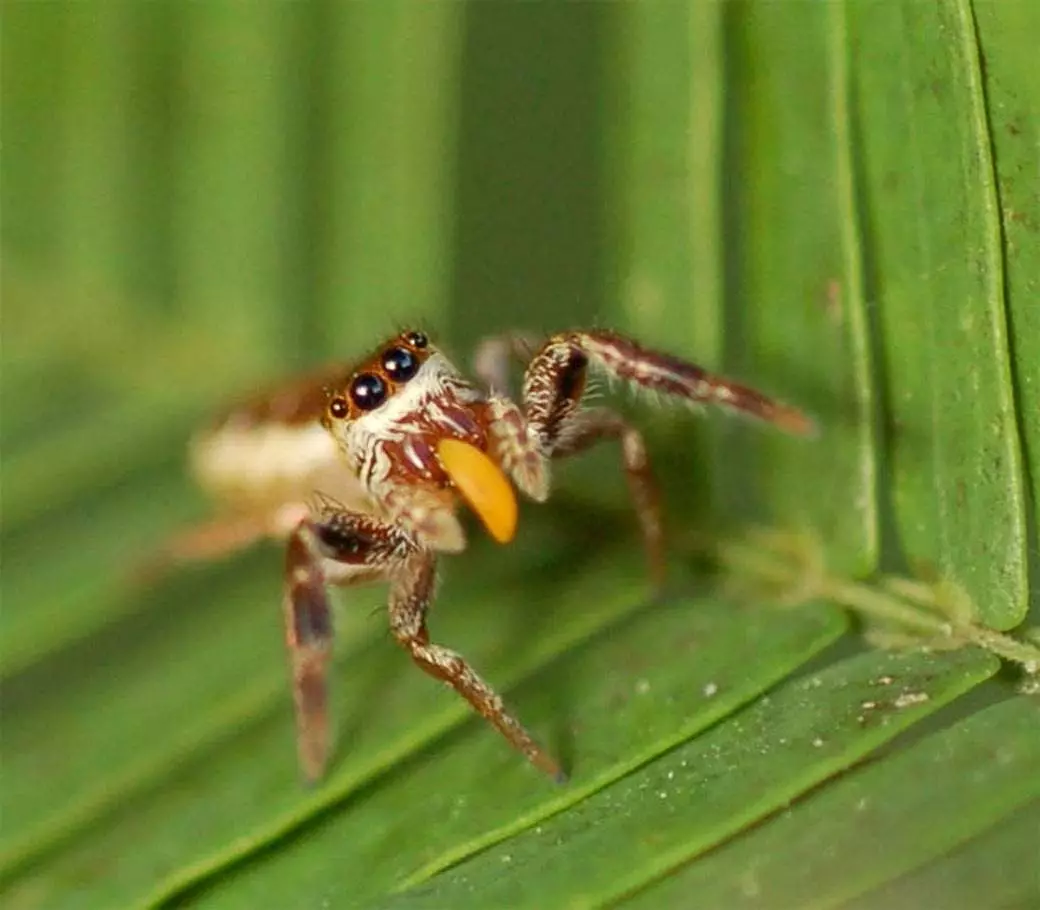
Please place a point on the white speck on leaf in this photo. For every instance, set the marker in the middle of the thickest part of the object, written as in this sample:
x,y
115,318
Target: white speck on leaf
x,y
749,884
910,698
642,686
817,742
710,689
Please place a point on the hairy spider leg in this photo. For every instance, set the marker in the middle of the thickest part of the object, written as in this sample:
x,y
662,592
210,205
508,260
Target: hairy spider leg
x,y
553,423
346,548
337,547
626,360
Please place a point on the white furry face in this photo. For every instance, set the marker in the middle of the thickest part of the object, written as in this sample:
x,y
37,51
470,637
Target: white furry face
x,y
387,416
407,411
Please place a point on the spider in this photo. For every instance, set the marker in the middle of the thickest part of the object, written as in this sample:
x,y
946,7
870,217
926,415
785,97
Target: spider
x,y
360,470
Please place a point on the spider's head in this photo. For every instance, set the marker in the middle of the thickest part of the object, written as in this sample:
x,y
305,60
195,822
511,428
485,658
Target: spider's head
x,y
414,428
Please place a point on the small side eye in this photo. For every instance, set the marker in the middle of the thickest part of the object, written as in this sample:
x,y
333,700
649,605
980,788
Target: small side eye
x,y
339,408
416,339
368,391
400,364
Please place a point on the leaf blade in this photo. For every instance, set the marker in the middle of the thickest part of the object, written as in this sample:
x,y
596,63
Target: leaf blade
x,y
934,236
637,689
876,823
746,746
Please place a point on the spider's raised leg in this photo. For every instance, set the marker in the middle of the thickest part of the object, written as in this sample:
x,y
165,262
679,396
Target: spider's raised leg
x,y
564,357
556,425
410,594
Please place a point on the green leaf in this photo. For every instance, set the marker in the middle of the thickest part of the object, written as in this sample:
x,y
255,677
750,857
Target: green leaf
x,y
1012,85
800,289
878,822
691,799
933,225
996,869
662,675
833,202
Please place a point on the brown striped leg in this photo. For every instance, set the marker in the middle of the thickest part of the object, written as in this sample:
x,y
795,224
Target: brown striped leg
x,y
340,548
410,594
556,375
584,429
555,382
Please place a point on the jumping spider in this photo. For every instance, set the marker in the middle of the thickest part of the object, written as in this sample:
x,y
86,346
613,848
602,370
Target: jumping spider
x,y
385,450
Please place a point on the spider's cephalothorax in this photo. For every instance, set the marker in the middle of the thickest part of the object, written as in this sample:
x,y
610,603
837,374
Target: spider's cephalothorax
x,y
384,452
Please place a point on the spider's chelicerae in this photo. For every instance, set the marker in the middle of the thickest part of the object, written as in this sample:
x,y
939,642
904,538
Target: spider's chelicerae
x,y
361,470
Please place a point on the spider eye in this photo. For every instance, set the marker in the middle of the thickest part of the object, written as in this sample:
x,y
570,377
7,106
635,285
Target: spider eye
x,y
368,391
339,408
416,340
400,364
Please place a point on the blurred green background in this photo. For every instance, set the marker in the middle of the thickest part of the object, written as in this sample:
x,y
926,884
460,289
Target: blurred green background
x,y
834,201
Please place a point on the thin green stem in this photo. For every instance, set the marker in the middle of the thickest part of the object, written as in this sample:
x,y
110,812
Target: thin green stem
x,y
797,568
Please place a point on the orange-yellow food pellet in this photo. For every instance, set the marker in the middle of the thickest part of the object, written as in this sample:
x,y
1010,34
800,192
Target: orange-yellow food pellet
x,y
483,485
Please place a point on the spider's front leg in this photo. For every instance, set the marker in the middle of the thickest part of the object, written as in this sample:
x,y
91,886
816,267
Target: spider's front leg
x,y
626,360
344,548
554,424
410,596
336,548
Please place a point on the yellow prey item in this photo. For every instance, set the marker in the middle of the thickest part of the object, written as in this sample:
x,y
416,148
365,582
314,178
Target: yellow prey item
x,y
482,484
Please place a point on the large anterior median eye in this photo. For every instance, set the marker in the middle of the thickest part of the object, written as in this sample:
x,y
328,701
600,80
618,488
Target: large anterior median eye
x,y
400,364
368,391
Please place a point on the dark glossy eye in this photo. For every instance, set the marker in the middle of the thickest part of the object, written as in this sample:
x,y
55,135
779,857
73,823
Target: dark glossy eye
x,y
368,391
339,408
400,364
416,339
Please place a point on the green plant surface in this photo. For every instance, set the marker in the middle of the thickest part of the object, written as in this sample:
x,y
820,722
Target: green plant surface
x,y
1012,87
932,221
663,675
244,677
996,869
836,203
792,166
784,744
878,822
